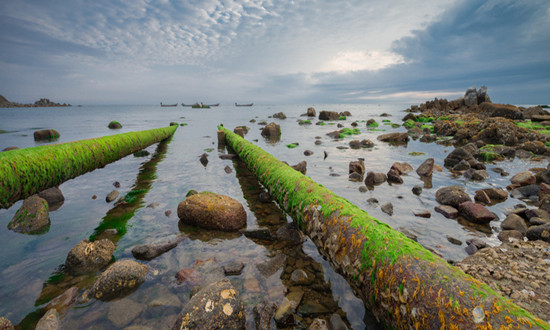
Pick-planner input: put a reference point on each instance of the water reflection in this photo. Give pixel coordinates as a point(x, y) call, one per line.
point(112, 226)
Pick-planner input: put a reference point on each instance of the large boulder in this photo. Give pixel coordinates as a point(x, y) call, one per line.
point(271, 130)
point(523, 179)
point(328, 115)
point(119, 280)
point(541, 232)
point(357, 166)
point(33, 217)
point(452, 195)
point(470, 97)
point(394, 137)
point(212, 211)
point(89, 256)
point(475, 213)
point(217, 306)
point(46, 134)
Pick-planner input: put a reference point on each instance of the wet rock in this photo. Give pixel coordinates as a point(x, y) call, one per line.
point(523, 179)
point(422, 213)
point(452, 195)
point(53, 196)
point(530, 213)
point(112, 196)
point(5, 324)
point(260, 233)
point(233, 268)
point(151, 251)
point(311, 112)
point(318, 324)
point(221, 137)
point(32, 217)
point(345, 113)
point(476, 175)
point(457, 155)
point(401, 167)
point(536, 221)
point(366, 143)
point(336, 322)
point(308, 153)
point(271, 130)
point(530, 191)
point(536, 147)
point(355, 144)
point(290, 233)
point(374, 178)
point(541, 232)
point(491, 195)
point(417, 190)
point(263, 313)
point(279, 115)
point(46, 134)
point(447, 211)
point(427, 138)
point(271, 266)
point(240, 130)
point(475, 212)
point(204, 159)
point(265, 197)
point(394, 177)
point(506, 235)
point(301, 167)
point(89, 256)
point(387, 208)
point(426, 168)
point(394, 137)
point(114, 125)
point(501, 110)
point(461, 166)
point(120, 279)
point(284, 315)
point(454, 240)
point(372, 201)
point(300, 277)
point(470, 249)
point(355, 177)
point(318, 142)
point(50, 321)
point(122, 312)
point(477, 242)
point(217, 306)
point(116, 184)
point(227, 169)
point(65, 300)
point(212, 211)
point(514, 222)
point(328, 115)
point(229, 156)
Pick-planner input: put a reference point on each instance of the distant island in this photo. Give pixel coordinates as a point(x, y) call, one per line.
point(43, 102)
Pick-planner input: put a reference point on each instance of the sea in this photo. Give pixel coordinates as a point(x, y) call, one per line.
point(31, 266)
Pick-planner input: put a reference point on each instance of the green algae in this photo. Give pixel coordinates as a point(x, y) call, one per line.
point(424, 119)
point(24, 172)
point(373, 124)
point(416, 153)
point(349, 132)
point(342, 118)
point(291, 146)
point(304, 122)
point(384, 251)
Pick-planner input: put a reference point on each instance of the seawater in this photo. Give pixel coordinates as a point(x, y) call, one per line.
point(31, 265)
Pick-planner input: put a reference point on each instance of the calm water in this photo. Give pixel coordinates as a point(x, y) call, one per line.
point(30, 273)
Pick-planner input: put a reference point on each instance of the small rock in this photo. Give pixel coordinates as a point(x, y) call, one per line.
point(476, 175)
point(375, 178)
point(453, 240)
point(394, 177)
point(452, 195)
point(523, 179)
point(32, 217)
point(112, 196)
point(422, 213)
point(227, 169)
point(301, 167)
point(372, 201)
point(167, 213)
point(506, 235)
point(426, 168)
point(265, 197)
point(263, 313)
point(355, 177)
point(153, 250)
point(514, 222)
point(260, 233)
point(53, 196)
point(233, 268)
point(387, 208)
point(318, 324)
point(89, 256)
point(401, 167)
point(447, 211)
point(417, 190)
point(308, 153)
point(357, 166)
point(300, 277)
point(204, 159)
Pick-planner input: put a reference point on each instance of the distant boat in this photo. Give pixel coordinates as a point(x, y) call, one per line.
point(244, 105)
point(197, 105)
point(213, 105)
point(168, 105)
point(186, 105)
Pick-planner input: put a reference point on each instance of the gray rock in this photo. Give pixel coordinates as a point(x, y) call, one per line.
point(426, 168)
point(476, 175)
point(375, 178)
point(454, 240)
point(233, 268)
point(462, 165)
point(355, 177)
point(119, 280)
point(263, 313)
point(32, 217)
point(259, 233)
point(422, 213)
point(50, 321)
point(387, 208)
point(452, 195)
point(112, 196)
point(301, 167)
point(53, 196)
point(290, 233)
point(153, 250)
point(514, 222)
point(217, 306)
point(470, 97)
point(336, 322)
point(89, 256)
point(475, 212)
point(204, 159)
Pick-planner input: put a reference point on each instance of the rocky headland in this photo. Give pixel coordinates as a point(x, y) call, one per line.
point(43, 102)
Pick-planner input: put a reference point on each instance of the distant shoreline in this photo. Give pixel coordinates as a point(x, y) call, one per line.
point(42, 103)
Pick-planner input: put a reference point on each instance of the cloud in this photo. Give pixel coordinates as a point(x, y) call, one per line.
point(348, 61)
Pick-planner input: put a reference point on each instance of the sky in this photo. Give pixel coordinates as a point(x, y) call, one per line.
point(273, 52)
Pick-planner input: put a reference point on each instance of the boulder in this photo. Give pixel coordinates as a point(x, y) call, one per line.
point(401, 167)
point(311, 112)
point(115, 125)
point(301, 167)
point(536, 147)
point(470, 97)
point(46, 134)
point(514, 222)
point(271, 130)
point(374, 178)
point(279, 115)
point(204, 159)
point(328, 115)
point(426, 168)
point(240, 130)
point(50, 321)
point(475, 212)
point(457, 155)
point(355, 144)
point(366, 143)
point(482, 95)
point(541, 232)
point(394, 137)
point(53, 196)
point(153, 250)
point(89, 256)
point(217, 306)
point(357, 166)
point(506, 235)
point(501, 110)
point(212, 211)
point(523, 179)
point(32, 218)
point(119, 280)
point(452, 195)
point(491, 195)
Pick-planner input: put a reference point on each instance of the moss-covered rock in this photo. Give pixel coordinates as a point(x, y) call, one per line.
point(116, 125)
point(46, 134)
point(32, 218)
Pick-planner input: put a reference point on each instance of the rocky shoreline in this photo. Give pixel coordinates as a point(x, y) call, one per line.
point(42, 103)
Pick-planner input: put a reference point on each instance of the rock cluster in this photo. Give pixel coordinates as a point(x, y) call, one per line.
point(43, 102)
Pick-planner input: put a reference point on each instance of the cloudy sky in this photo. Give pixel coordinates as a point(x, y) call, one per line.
point(273, 51)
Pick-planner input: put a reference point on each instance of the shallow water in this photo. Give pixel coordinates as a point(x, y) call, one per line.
point(31, 272)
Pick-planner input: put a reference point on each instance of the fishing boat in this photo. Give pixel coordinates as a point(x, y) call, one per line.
point(186, 105)
point(168, 105)
point(213, 105)
point(244, 105)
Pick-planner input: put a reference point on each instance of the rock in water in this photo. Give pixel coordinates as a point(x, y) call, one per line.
point(476, 213)
point(46, 134)
point(119, 280)
point(53, 196)
point(426, 168)
point(33, 216)
point(151, 251)
point(204, 159)
point(271, 130)
point(212, 211)
point(311, 112)
point(217, 306)
point(452, 195)
point(328, 115)
point(114, 125)
point(50, 321)
point(89, 256)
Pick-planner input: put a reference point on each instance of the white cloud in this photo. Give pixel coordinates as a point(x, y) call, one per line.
point(350, 61)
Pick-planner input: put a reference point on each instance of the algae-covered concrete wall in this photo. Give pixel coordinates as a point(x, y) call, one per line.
point(24, 172)
point(403, 284)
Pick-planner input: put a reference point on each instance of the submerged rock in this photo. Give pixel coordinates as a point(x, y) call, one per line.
point(217, 306)
point(212, 211)
point(50, 321)
point(119, 280)
point(33, 217)
point(89, 256)
point(153, 250)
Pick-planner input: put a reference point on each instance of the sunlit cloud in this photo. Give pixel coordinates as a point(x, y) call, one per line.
point(350, 61)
